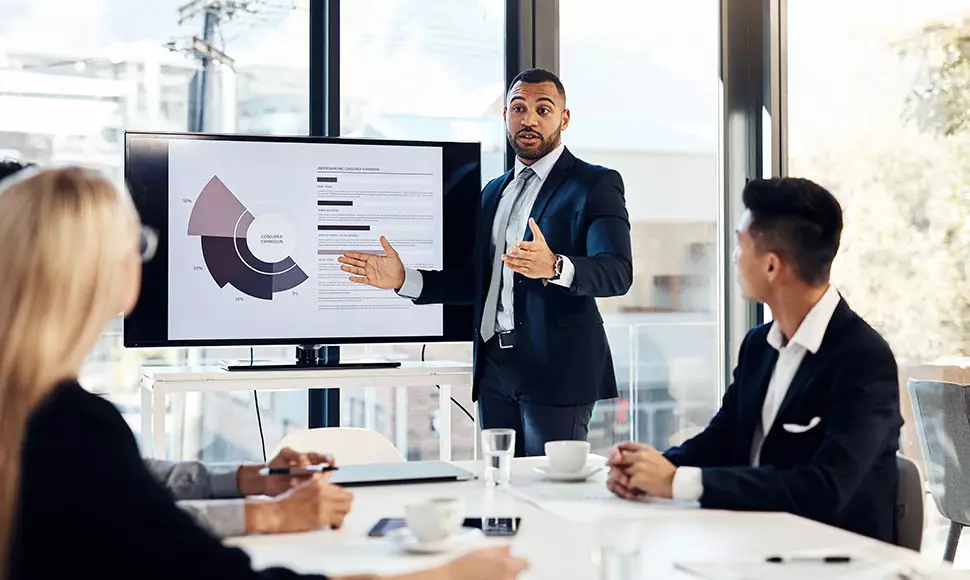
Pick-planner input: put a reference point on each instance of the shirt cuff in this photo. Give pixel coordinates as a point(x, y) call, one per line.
point(688, 484)
point(413, 284)
point(566, 276)
point(223, 518)
point(224, 481)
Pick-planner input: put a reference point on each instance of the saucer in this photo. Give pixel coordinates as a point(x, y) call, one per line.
point(406, 539)
point(582, 475)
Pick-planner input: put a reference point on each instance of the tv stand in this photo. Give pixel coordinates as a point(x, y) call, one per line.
point(310, 357)
point(163, 401)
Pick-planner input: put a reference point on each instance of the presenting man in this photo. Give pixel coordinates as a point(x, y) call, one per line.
point(811, 423)
point(552, 236)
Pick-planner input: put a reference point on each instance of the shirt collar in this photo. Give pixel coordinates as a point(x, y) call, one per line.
point(542, 167)
point(812, 329)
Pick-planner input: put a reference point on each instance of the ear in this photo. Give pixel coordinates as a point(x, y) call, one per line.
point(774, 265)
point(505, 114)
point(565, 119)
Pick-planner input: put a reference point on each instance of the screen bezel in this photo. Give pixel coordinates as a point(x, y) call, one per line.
point(141, 326)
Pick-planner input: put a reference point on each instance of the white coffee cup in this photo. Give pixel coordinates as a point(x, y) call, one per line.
point(434, 519)
point(567, 456)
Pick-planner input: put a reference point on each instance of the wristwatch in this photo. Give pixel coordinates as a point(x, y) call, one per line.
point(557, 268)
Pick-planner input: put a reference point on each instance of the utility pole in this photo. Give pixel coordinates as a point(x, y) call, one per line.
point(214, 13)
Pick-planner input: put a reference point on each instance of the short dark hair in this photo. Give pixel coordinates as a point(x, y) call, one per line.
point(534, 76)
point(797, 219)
point(9, 167)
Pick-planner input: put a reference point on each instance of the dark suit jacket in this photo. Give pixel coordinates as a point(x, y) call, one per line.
point(560, 351)
point(89, 508)
point(842, 472)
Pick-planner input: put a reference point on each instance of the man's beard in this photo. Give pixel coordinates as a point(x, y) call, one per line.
point(546, 145)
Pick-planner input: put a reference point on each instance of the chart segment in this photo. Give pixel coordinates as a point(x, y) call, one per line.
point(246, 251)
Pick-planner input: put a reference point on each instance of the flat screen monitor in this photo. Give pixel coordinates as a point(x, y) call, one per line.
point(250, 229)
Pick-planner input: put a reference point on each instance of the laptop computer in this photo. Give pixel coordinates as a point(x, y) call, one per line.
point(399, 473)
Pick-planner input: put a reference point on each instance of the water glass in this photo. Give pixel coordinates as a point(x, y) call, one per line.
point(620, 563)
point(498, 448)
point(619, 549)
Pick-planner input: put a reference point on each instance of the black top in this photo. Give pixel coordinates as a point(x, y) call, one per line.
point(89, 507)
point(841, 472)
point(561, 352)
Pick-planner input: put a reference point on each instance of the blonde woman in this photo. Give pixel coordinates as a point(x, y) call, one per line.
point(75, 497)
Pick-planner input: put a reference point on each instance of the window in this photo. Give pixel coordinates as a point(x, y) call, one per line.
point(421, 69)
point(641, 81)
point(877, 114)
point(75, 74)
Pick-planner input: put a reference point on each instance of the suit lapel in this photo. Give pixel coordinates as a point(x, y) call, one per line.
point(807, 370)
point(755, 396)
point(812, 363)
point(558, 174)
point(490, 198)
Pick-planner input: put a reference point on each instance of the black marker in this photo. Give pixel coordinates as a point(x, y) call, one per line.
point(822, 559)
point(297, 471)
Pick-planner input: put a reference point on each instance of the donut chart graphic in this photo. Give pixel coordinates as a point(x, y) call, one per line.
point(225, 226)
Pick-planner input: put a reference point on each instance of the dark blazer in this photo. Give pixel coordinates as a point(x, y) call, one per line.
point(89, 508)
point(560, 351)
point(843, 471)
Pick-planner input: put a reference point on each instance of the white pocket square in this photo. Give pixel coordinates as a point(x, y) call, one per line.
point(795, 428)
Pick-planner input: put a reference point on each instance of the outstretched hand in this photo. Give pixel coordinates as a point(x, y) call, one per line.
point(532, 259)
point(385, 272)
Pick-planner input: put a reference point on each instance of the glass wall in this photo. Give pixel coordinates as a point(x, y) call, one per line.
point(641, 81)
point(75, 74)
point(421, 69)
point(877, 95)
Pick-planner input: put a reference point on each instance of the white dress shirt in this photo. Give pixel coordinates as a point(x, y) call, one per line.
point(507, 238)
point(687, 483)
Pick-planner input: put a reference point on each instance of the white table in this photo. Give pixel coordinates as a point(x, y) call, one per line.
point(559, 541)
point(159, 382)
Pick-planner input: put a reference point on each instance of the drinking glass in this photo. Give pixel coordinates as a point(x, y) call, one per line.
point(619, 549)
point(498, 447)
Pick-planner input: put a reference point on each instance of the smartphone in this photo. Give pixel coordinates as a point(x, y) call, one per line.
point(488, 526)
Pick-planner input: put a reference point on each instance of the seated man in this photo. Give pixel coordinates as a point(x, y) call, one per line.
point(811, 422)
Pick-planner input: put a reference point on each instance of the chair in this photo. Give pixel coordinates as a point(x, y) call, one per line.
point(349, 446)
point(942, 414)
point(909, 506)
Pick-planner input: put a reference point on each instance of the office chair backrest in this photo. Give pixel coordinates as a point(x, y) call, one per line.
point(349, 446)
point(942, 413)
point(909, 506)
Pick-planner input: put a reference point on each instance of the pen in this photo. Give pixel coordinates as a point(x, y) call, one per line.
point(822, 559)
point(309, 470)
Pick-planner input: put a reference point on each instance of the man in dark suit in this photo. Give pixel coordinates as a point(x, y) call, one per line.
point(811, 422)
point(553, 235)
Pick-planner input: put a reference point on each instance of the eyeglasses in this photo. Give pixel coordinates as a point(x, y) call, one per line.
point(147, 243)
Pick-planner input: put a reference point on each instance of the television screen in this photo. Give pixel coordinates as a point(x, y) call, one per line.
point(250, 229)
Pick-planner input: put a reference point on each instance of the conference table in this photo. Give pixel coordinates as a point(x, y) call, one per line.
point(562, 527)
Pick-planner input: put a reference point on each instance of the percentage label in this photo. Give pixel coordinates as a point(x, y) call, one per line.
point(186, 200)
point(240, 299)
point(295, 293)
point(197, 268)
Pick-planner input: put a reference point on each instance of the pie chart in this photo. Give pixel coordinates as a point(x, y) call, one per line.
point(249, 252)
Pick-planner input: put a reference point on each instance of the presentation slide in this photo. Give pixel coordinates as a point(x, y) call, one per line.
point(255, 230)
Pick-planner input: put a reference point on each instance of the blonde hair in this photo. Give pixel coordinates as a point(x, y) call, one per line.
point(64, 237)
